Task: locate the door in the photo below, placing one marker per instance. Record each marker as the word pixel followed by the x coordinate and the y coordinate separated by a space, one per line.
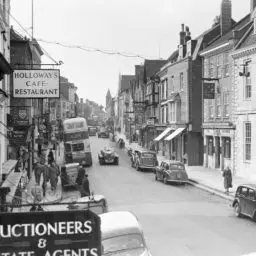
pixel 243 199
pixel 217 152
pixel 250 204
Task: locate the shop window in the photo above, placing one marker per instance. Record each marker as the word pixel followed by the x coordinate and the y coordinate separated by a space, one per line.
pixel 185 143
pixel 210 145
pixel 247 140
pixel 227 147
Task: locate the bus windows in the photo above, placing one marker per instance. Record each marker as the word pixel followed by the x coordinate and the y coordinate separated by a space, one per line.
pixel 78 147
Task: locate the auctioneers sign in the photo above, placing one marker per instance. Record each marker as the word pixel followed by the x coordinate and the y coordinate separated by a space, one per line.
pixel 36 83
pixel 50 233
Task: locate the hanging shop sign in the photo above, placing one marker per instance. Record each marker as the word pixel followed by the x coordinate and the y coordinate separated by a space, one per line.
pixel 18 135
pixel 208 90
pixel 50 233
pixel 36 83
pixel 150 122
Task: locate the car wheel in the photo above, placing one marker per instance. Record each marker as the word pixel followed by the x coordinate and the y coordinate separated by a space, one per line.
pixel 237 210
pixel 165 180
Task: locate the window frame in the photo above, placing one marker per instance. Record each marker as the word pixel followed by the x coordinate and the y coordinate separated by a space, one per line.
pixel 247 80
pixel 225 64
pixel 219 66
pixel 218 106
pixel 226 99
pixel 247 142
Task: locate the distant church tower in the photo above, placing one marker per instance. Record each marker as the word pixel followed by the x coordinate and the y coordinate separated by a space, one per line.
pixel 108 99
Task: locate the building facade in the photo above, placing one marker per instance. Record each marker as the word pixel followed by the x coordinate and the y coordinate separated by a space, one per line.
pixel 218 126
pixel 243 60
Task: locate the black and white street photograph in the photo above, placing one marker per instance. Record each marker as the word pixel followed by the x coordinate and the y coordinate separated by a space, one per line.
pixel 126 128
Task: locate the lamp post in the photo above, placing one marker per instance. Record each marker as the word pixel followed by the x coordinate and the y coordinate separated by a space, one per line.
pixel 3 98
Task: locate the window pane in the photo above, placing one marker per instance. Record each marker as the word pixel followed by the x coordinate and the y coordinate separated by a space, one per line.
pixel 247 141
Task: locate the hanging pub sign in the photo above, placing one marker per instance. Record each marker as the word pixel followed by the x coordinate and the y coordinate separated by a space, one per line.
pixel 20 116
pixel 36 83
pixel 209 90
pixel 50 233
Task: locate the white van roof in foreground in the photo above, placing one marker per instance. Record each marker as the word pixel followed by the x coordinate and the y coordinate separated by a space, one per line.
pixel 119 223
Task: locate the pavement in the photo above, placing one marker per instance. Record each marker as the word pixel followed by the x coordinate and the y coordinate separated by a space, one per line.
pixel 210 180
pixel 50 196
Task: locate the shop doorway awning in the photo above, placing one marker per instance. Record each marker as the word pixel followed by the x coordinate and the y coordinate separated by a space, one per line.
pixel 174 134
pixel 164 133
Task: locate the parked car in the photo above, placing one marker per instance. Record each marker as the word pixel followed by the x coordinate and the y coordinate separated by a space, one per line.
pixel 121 234
pixel 245 201
pixel 96 203
pixel 144 159
pixel 69 174
pixel 108 156
pixel 171 171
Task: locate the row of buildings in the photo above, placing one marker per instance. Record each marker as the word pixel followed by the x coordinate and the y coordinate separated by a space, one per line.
pixel 199 105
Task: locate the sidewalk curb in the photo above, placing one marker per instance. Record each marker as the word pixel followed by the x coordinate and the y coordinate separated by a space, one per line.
pixel 210 190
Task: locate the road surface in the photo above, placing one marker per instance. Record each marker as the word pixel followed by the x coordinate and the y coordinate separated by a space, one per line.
pixel 177 220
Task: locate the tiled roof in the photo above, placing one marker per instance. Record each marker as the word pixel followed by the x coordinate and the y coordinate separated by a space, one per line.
pixel 249 39
pixel 174 56
pixel 229 35
pixel 151 67
pixel 125 82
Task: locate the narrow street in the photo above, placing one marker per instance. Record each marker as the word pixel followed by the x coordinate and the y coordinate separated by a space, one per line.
pixel 177 220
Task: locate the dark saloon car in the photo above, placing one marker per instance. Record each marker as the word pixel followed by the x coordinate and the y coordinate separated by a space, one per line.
pixel 108 156
pixel 103 133
pixel 245 201
pixel 144 159
pixel 171 171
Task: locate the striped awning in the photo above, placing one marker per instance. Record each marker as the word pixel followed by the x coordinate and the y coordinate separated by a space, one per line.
pixel 164 133
pixel 174 134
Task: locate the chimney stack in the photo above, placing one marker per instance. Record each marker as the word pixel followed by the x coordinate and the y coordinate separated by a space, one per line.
pixel 253 5
pixel 182 35
pixel 188 34
pixel 225 16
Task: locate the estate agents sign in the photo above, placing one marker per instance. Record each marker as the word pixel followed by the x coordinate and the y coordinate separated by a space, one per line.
pixel 36 83
pixel 50 234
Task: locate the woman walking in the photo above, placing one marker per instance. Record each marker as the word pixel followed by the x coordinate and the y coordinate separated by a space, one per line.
pixel 227 174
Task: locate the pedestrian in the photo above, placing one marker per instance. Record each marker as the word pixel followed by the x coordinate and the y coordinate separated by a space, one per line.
pixel 45 178
pixel 50 157
pixel 85 187
pixel 81 174
pixel 53 176
pixel 38 171
pixel 227 174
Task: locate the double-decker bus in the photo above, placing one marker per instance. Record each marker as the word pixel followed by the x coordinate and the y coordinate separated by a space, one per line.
pixel 76 141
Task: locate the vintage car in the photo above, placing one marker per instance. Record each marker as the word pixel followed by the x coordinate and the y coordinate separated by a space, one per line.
pixel 245 201
pixel 143 159
pixel 122 234
pixel 96 203
pixel 171 171
pixel 103 133
pixel 69 174
pixel 108 156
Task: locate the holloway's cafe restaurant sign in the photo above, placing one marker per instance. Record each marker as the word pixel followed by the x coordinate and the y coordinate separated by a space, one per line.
pixel 36 83
pixel 72 233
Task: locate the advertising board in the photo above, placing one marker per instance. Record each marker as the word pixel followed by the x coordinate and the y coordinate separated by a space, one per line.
pixel 36 83
pixel 50 233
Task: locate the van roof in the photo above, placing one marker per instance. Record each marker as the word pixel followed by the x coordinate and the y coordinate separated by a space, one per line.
pixel 118 223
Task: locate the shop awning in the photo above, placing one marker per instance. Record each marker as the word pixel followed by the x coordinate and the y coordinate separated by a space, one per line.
pixel 165 132
pixel 175 133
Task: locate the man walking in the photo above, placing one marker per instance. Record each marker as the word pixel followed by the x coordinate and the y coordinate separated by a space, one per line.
pixel 85 187
pixel 53 175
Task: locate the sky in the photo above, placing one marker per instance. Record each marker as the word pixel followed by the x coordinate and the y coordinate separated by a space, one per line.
pixel 149 28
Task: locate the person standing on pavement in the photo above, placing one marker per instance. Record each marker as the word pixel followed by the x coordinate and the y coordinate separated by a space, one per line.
pixel 38 171
pixel 53 175
pixel 50 157
pixel 227 174
pixel 45 178
pixel 81 174
pixel 85 187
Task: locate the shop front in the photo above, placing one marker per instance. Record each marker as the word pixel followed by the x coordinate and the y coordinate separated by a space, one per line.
pixel 218 144
pixel 161 133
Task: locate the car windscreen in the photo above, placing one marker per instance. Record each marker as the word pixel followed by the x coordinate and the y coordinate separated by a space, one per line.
pixel 123 242
pixel 78 147
pixel 178 167
pixel 148 155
